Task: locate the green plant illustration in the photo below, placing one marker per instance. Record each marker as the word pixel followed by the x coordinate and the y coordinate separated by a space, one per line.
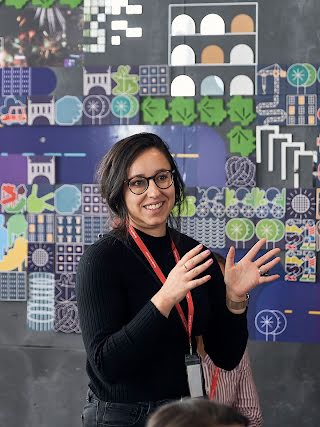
pixel 188 207
pixel 211 111
pixel 241 110
pixel 126 83
pixel 255 198
pixel 154 110
pixel 182 110
pixel 241 141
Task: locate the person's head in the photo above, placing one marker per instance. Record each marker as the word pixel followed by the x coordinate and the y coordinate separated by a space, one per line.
pixel 140 182
pixel 196 412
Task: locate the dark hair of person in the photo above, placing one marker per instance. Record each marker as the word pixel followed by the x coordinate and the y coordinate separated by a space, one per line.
pixel 196 412
pixel 112 172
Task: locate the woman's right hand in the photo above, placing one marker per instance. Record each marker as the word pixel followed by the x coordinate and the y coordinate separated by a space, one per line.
pixel 182 278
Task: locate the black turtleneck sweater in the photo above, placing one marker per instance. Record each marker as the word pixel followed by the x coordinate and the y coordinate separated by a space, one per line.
pixel 134 353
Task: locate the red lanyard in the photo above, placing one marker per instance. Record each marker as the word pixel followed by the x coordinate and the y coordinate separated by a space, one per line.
pixel 187 324
pixel 214 382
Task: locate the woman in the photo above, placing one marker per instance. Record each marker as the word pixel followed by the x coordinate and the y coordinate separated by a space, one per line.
pixel 145 291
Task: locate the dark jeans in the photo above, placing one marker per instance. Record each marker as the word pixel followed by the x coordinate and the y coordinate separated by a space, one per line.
pixel 97 413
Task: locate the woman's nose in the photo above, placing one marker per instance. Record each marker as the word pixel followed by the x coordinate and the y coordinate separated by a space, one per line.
pixel 153 189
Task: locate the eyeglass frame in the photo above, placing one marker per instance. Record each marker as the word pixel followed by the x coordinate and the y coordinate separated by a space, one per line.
pixel 127 181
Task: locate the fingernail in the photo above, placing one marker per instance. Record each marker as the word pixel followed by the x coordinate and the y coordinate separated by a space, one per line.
pixel 207 251
pixel 200 246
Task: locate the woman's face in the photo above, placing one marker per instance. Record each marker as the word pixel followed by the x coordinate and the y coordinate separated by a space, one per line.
pixel 149 211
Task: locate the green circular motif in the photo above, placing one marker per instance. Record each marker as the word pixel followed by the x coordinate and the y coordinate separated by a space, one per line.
pixel 124 106
pixel 297 75
pixel 239 229
pixel 312 75
pixel 270 229
pixel 280 230
pixel 250 229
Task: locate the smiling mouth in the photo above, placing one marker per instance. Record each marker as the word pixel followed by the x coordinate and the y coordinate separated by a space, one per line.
pixel 154 206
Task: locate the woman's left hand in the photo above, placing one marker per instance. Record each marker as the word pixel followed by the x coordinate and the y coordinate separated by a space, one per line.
pixel 246 274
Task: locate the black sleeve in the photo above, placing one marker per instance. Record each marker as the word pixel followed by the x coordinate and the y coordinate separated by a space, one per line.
pixel 116 347
pixel 226 334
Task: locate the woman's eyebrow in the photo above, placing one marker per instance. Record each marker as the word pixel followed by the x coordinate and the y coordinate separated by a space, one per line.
pixel 140 175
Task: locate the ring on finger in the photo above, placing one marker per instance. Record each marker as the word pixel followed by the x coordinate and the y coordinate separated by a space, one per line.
pixel 261 273
pixel 186 267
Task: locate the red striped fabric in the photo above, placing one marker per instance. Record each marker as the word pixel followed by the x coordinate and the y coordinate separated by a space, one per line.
pixel 235 388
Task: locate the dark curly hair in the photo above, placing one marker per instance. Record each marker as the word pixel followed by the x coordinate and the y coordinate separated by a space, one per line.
pixel 112 172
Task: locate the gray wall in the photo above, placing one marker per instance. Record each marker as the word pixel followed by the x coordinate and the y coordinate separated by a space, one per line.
pixel 42 375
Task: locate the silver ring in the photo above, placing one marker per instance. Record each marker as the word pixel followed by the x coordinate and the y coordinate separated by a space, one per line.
pixel 260 272
pixel 186 267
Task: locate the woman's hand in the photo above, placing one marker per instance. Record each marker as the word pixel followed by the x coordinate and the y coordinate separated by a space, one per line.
pixel 182 278
pixel 246 274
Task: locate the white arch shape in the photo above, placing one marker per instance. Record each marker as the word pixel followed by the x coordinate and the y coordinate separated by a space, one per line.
pixel 241 85
pixel 212 85
pixel 241 54
pixel 183 55
pixel 183 86
pixel 183 25
pixel 212 24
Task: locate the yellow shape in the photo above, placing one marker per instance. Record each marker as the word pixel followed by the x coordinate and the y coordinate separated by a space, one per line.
pixel 40 219
pixel 294 260
pixel 311 120
pixel 288 311
pixel 301 100
pixel 50 238
pixel 293 229
pixel 16 256
pixel 292 110
pixel 32 228
pixel 314 312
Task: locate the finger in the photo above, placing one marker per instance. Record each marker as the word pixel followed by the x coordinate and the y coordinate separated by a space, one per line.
pixel 268 279
pixel 191 263
pixel 255 249
pixel 194 251
pixel 266 256
pixel 197 282
pixel 230 258
pixel 198 269
pixel 266 267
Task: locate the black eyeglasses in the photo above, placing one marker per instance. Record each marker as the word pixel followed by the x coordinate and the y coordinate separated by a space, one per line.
pixel 139 184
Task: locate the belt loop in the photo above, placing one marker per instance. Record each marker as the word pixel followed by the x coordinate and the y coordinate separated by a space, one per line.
pixel 100 411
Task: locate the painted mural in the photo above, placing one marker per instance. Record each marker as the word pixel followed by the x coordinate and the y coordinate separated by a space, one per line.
pixel 230 121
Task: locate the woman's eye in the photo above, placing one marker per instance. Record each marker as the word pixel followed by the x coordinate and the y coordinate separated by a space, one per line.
pixel 137 183
pixel 162 177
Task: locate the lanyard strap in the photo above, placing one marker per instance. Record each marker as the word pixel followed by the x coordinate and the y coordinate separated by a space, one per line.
pixel 187 324
pixel 214 382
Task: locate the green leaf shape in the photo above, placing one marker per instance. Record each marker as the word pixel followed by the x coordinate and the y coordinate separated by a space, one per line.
pixel 241 110
pixel 18 4
pixel 255 198
pixel 182 110
pixel 71 3
pixel 154 110
pixel 211 111
pixel 45 4
pixel 229 197
pixel 126 83
pixel 241 141
pixel 280 199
